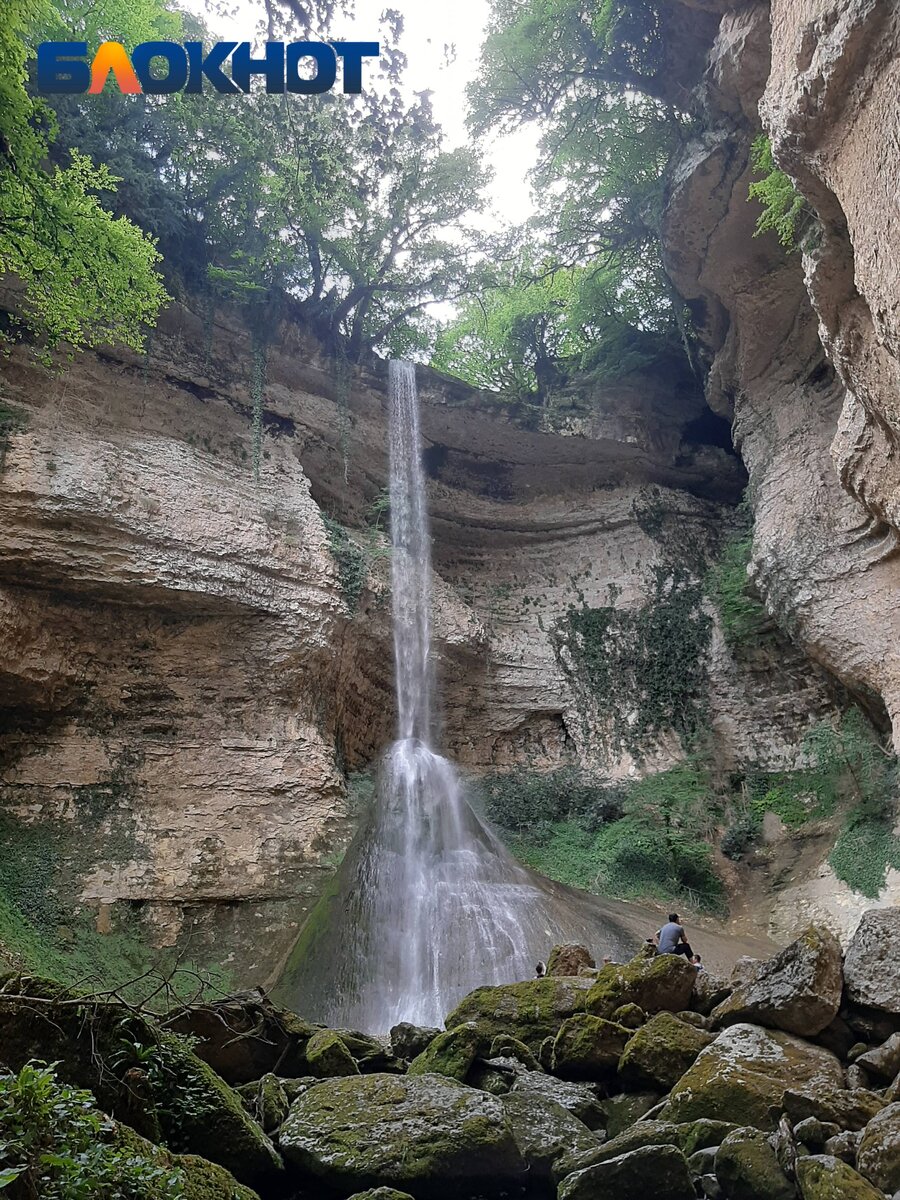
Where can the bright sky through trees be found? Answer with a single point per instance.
(442, 44)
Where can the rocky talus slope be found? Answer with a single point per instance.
(637, 1079)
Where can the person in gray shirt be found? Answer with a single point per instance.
(671, 938)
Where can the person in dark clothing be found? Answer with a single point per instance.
(671, 938)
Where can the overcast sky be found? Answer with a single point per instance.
(429, 27)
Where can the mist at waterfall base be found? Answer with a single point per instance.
(428, 904)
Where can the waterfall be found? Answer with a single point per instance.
(428, 904)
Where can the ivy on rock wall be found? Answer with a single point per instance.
(645, 670)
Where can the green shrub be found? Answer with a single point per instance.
(350, 559)
(525, 799)
(651, 844)
(740, 836)
(782, 205)
(743, 617)
(56, 1145)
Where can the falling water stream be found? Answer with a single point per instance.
(427, 904)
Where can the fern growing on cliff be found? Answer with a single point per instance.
(782, 205)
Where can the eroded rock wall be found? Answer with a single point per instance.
(801, 347)
(183, 682)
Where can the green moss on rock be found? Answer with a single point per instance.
(451, 1053)
(266, 1101)
(822, 1177)
(327, 1055)
(659, 1053)
(200, 1114)
(632, 1016)
(747, 1168)
(529, 1011)
(426, 1134)
(660, 1172)
(623, 1110)
(588, 1047)
(663, 983)
(744, 1074)
(506, 1046)
(206, 1181)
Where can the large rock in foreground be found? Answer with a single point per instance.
(427, 1135)
(743, 1076)
(660, 1052)
(660, 1172)
(799, 990)
(878, 1157)
(822, 1177)
(872, 965)
(530, 1011)
(661, 983)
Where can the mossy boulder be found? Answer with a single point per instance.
(878, 1156)
(798, 991)
(872, 963)
(568, 959)
(623, 1110)
(200, 1114)
(637, 1137)
(451, 1053)
(202, 1180)
(632, 1016)
(702, 1134)
(381, 1193)
(747, 1168)
(506, 1046)
(266, 1101)
(371, 1052)
(658, 1054)
(660, 1172)
(408, 1040)
(588, 1047)
(663, 983)
(207, 1181)
(580, 1099)
(851, 1108)
(425, 1134)
(328, 1057)
(822, 1177)
(530, 1011)
(494, 1075)
(545, 1131)
(743, 1075)
(247, 1036)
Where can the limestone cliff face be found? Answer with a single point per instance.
(802, 348)
(182, 679)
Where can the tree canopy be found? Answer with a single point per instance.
(87, 276)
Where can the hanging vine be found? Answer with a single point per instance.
(257, 393)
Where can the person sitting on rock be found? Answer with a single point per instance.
(540, 970)
(671, 938)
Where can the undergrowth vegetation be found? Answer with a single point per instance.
(56, 1144)
(44, 932)
(654, 838)
(645, 838)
